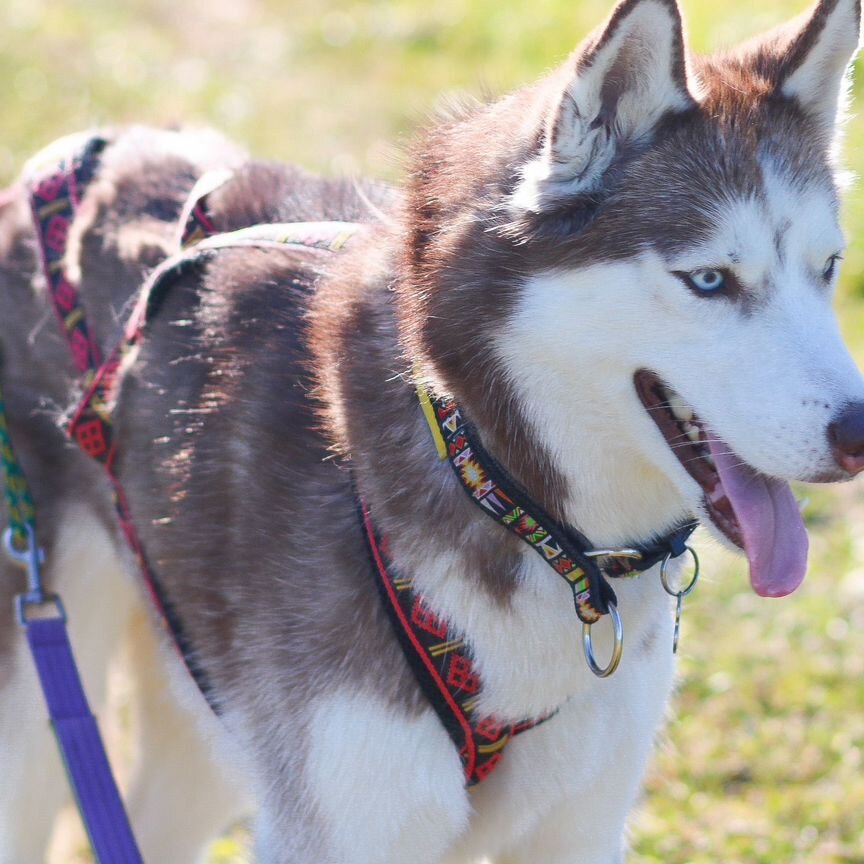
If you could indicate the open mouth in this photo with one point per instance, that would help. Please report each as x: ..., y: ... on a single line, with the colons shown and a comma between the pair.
x: 758, y: 514
x: 686, y: 436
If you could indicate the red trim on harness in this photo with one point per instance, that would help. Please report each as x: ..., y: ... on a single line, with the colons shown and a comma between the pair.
x: 57, y: 192
x: 469, y: 751
x: 54, y: 198
x: 443, y: 666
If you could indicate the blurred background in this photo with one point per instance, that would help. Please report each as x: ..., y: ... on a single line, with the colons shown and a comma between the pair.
x: 763, y: 758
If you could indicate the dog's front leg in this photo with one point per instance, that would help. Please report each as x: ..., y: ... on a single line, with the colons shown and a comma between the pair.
x: 373, y: 785
x: 180, y: 796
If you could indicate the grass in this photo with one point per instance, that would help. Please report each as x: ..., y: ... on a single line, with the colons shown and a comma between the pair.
x: 763, y: 760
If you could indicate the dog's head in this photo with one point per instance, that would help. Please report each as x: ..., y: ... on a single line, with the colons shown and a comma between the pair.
x: 655, y: 237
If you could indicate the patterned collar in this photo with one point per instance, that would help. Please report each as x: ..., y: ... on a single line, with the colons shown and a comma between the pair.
x: 567, y: 551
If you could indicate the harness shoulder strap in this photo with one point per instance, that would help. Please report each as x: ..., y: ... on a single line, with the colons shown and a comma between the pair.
x: 55, y: 194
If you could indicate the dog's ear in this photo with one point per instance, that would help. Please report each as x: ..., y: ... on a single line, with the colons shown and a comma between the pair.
x: 615, y: 90
x: 817, y: 64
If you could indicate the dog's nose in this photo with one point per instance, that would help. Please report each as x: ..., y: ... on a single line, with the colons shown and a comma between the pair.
x: 846, y: 434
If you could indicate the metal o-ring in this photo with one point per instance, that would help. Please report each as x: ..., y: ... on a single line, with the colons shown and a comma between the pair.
x: 617, y: 649
x: 664, y: 575
x: 680, y: 594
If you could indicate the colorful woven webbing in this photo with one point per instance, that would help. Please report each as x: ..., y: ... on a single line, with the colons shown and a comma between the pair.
x: 441, y: 661
x: 19, y: 503
x: 55, y: 193
x: 54, y: 198
x: 562, y: 547
x: 488, y: 487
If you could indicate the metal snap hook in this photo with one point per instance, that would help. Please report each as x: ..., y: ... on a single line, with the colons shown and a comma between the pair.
x: 681, y: 593
x: 31, y: 559
x: 617, y: 649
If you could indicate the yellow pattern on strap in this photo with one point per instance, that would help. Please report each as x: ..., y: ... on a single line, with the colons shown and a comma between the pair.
x: 429, y: 414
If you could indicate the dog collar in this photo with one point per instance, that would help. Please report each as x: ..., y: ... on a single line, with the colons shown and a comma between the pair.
x: 566, y: 550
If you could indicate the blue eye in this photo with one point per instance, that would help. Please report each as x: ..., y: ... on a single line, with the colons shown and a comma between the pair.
x: 709, y: 281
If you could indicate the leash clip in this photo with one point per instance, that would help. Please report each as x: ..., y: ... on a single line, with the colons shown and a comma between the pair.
x: 31, y: 558
x: 681, y: 593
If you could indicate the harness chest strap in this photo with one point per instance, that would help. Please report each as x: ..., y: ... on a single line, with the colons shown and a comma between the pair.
x: 442, y: 663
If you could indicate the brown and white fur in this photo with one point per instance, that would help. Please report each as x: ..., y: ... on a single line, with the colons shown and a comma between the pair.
x: 529, y: 270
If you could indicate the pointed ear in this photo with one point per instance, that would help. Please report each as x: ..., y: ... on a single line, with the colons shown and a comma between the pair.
x: 816, y: 71
x: 615, y: 90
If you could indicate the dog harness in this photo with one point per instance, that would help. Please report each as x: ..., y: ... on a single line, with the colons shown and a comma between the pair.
x: 440, y: 658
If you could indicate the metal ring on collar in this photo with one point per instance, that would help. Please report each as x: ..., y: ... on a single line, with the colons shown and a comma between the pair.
x: 664, y: 575
x: 617, y: 649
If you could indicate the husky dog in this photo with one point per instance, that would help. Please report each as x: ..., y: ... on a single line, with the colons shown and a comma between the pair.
x: 612, y: 272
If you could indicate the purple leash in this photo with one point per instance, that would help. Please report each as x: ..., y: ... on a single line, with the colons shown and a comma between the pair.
x: 75, y: 729
x: 54, y: 198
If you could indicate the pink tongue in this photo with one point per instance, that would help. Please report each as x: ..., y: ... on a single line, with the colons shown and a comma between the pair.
x: 775, y: 539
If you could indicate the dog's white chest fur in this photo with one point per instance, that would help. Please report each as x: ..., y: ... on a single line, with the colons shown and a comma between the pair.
x: 585, y: 761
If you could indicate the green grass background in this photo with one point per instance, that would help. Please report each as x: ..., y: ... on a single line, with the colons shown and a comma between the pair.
x: 763, y: 758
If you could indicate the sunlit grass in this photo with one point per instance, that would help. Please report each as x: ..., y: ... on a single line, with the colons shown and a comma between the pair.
x: 762, y: 759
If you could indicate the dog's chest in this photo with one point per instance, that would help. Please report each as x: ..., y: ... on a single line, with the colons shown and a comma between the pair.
x: 587, y: 758
x: 527, y: 649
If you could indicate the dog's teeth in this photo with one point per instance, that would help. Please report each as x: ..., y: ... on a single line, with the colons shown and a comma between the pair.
x: 680, y: 408
x: 692, y: 433
x: 709, y: 459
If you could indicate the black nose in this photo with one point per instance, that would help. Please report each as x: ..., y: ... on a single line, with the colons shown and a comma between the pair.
x: 846, y: 435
